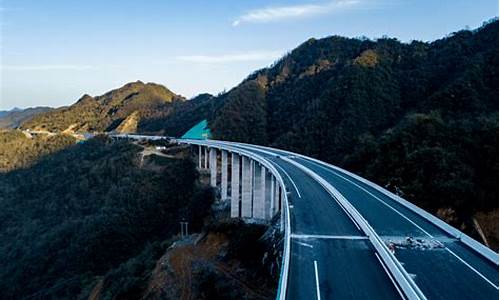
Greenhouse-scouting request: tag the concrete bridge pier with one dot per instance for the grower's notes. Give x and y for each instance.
(206, 156)
(259, 192)
(199, 157)
(224, 178)
(254, 192)
(269, 195)
(235, 185)
(246, 187)
(213, 167)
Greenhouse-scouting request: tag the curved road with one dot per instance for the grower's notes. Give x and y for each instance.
(441, 265)
(331, 257)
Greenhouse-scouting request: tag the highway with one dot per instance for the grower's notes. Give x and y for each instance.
(331, 258)
(441, 265)
(334, 256)
(323, 233)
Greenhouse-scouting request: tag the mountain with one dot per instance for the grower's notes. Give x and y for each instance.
(181, 116)
(421, 118)
(4, 112)
(13, 118)
(107, 112)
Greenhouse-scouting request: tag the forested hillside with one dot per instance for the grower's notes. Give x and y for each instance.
(107, 112)
(422, 117)
(181, 116)
(19, 151)
(89, 212)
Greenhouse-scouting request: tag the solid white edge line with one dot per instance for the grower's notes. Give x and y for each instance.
(317, 280)
(410, 288)
(376, 197)
(329, 169)
(472, 268)
(464, 238)
(290, 178)
(390, 277)
(406, 218)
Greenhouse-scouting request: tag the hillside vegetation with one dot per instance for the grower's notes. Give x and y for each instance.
(107, 112)
(89, 212)
(14, 118)
(19, 151)
(422, 117)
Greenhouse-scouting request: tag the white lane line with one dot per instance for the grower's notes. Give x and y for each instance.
(376, 197)
(304, 244)
(390, 277)
(335, 237)
(405, 217)
(317, 279)
(295, 186)
(290, 178)
(477, 272)
(338, 203)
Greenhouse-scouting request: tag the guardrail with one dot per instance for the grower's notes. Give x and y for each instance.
(282, 287)
(404, 280)
(462, 237)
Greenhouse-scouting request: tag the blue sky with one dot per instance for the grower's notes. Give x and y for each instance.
(54, 51)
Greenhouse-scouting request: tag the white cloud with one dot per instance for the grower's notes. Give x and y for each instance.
(272, 14)
(48, 67)
(235, 57)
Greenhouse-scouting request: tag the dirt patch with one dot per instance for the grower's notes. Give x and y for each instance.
(199, 267)
(488, 223)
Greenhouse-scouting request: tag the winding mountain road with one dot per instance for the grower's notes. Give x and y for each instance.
(328, 251)
(351, 239)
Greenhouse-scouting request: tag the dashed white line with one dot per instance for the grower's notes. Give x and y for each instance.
(304, 244)
(317, 280)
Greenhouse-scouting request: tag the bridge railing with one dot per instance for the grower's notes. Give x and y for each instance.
(476, 246)
(282, 287)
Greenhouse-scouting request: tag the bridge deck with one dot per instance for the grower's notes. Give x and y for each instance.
(323, 232)
(444, 268)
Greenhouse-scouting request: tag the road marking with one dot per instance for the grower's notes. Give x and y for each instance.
(405, 217)
(477, 272)
(304, 244)
(334, 237)
(376, 197)
(317, 279)
(390, 277)
(289, 178)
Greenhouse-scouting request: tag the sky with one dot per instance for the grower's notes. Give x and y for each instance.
(54, 51)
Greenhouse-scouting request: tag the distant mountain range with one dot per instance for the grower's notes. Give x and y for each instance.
(4, 112)
(13, 118)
